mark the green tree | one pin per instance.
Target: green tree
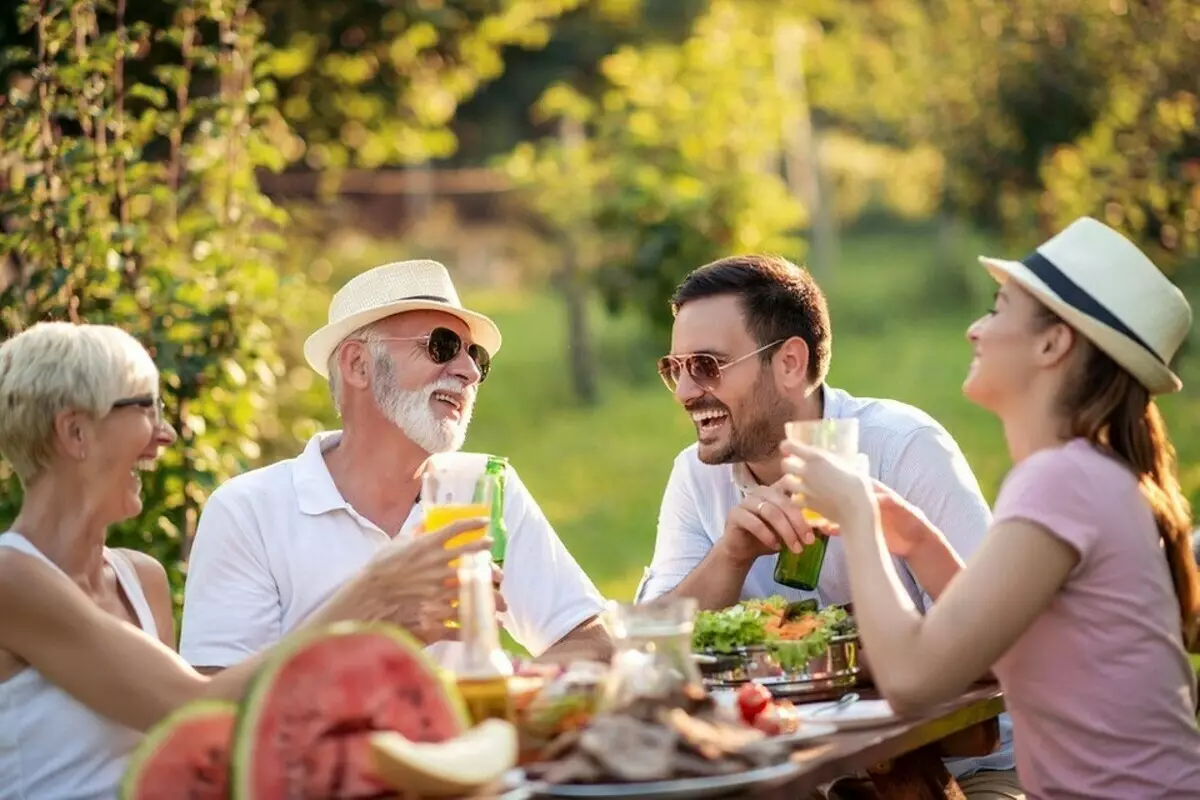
(133, 202)
(678, 165)
(1138, 166)
(370, 84)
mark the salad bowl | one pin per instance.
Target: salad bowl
(790, 648)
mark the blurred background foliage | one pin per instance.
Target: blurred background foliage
(206, 172)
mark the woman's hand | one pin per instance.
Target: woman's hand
(905, 527)
(830, 486)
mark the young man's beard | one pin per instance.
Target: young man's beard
(410, 410)
(756, 428)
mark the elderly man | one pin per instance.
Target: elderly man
(750, 350)
(404, 360)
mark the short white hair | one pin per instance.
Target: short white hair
(365, 334)
(60, 366)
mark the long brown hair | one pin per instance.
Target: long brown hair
(1106, 405)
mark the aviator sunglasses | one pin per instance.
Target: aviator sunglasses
(703, 368)
(443, 345)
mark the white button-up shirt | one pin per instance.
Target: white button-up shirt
(908, 451)
(275, 543)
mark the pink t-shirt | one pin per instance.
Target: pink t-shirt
(1100, 688)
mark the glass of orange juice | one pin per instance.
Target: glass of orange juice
(453, 489)
(836, 436)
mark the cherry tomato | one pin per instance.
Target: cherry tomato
(768, 721)
(753, 699)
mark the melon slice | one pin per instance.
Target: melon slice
(447, 769)
(184, 755)
(305, 726)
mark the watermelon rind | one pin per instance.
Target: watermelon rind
(159, 732)
(242, 755)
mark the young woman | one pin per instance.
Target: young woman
(86, 634)
(1085, 595)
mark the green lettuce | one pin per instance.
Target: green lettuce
(745, 625)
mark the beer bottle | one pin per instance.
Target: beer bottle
(484, 669)
(497, 470)
(802, 570)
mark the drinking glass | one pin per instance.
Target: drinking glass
(837, 436)
(455, 488)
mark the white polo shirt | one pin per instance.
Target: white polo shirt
(274, 543)
(909, 452)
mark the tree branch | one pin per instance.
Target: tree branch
(175, 159)
(129, 269)
(48, 212)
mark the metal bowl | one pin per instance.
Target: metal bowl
(837, 667)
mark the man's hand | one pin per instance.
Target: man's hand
(763, 523)
(589, 641)
(410, 583)
(435, 617)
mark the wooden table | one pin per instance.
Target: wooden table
(903, 760)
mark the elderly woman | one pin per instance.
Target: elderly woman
(1085, 593)
(86, 637)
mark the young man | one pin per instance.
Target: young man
(750, 351)
(404, 360)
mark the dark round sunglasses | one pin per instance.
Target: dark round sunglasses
(703, 368)
(443, 345)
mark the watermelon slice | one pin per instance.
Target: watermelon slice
(184, 755)
(305, 725)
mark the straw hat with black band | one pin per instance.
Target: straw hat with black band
(1104, 287)
(391, 289)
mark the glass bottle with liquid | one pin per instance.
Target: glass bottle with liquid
(484, 668)
(497, 471)
(802, 570)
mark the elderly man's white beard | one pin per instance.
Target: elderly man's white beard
(412, 411)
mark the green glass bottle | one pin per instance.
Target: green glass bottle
(497, 471)
(802, 570)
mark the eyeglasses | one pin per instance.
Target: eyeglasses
(443, 345)
(703, 368)
(151, 401)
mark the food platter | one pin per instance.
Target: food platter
(761, 778)
(694, 704)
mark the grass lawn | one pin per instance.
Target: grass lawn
(599, 472)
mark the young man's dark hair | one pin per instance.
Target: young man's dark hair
(779, 300)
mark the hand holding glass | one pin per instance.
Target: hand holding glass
(837, 436)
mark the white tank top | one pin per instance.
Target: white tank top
(52, 747)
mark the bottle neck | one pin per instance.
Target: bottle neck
(482, 654)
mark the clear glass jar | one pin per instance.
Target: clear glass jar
(652, 652)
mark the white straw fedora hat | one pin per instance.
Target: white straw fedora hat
(1102, 285)
(390, 289)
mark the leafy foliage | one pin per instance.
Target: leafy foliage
(1036, 120)
(369, 84)
(680, 164)
(1138, 165)
(134, 203)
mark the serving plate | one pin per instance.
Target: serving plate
(851, 716)
(761, 778)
